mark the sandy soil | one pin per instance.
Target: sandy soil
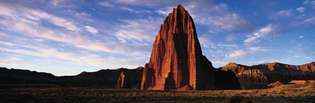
(294, 92)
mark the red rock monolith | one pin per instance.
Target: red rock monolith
(176, 58)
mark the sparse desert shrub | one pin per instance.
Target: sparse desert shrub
(236, 99)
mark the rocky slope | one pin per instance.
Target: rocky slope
(119, 78)
(176, 58)
(19, 76)
(259, 76)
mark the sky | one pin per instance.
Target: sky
(66, 37)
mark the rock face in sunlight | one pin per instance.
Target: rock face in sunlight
(176, 58)
(120, 80)
(259, 76)
(307, 67)
(247, 76)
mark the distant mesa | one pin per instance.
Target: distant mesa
(260, 76)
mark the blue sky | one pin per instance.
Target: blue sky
(66, 37)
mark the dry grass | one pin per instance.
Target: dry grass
(295, 92)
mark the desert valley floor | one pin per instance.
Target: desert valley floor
(293, 92)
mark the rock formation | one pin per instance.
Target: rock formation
(226, 80)
(20, 76)
(259, 76)
(120, 80)
(231, 76)
(310, 67)
(114, 78)
(176, 58)
(176, 63)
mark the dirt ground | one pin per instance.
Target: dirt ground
(294, 92)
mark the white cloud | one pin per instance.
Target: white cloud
(56, 2)
(40, 50)
(139, 30)
(228, 22)
(142, 2)
(255, 36)
(207, 43)
(37, 15)
(284, 13)
(6, 11)
(204, 12)
(310, 3)
(2, 34)
(301, 9)
(41, 15)
(106, 50)
(106, 4)
(245, 52)
(237, 53)
(217, 15)
(75, 40)
(27, 22)
(91, 29)
(114, 4)
(310, 20)
(164, 11)
(204, 41)
(52, 53)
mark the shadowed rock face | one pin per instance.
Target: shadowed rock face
(226, 80)
(19, 76)
(176, 51)
(119, 78)
(259, 76)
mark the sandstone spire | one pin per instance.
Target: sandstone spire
(176, 58)
(120, 80)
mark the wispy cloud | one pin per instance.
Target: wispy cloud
(139, 30)
(310, 20)
(301, 9)
(217, 15)
(204, 12)
(310, 3)
(257, 35)
(38, 15)
(29, 24)
(245, 52)
(285, 13)
(56, 2)
(106, 4)
(42, 50)
(67, 62)
(6, 11)
(147, 2)
(91, 29)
